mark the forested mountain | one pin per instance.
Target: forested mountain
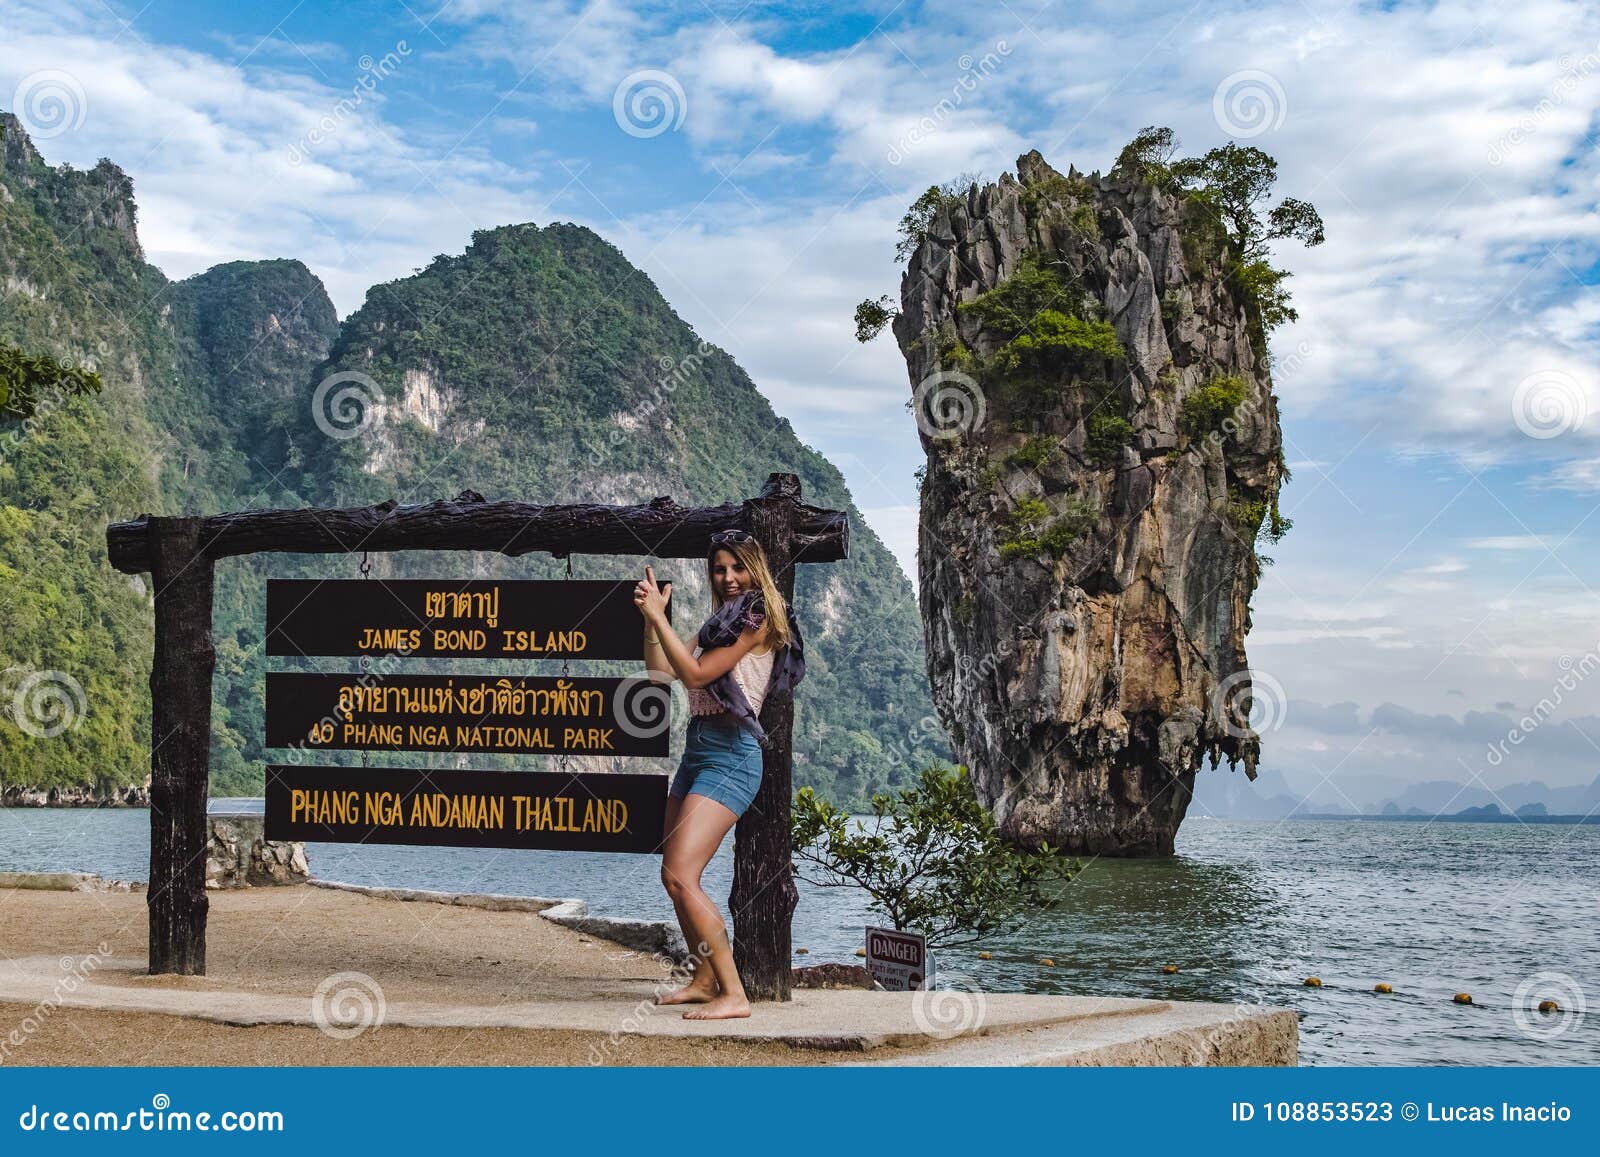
(539, 365)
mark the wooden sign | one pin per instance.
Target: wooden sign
(467, 809)
(455, 618)
(534, 714)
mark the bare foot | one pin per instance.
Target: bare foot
(724, 1007)
(695, 992)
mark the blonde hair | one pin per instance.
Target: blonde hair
(749, 552)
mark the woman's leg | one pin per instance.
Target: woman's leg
(702, 984)
(702, 823)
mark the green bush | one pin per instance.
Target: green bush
(872, 317)
(1258, 518)
(1107, 434)
(25, 378)
(1037, 532)
(1085, 221)
(1032, 454)
(930, 858)
(1054, 336)
(1010, 308)
(1205, 410)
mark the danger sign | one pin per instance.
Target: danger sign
(898, 960)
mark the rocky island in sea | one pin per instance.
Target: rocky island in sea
(1090, 375)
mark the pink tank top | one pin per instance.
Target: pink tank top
(753, 674)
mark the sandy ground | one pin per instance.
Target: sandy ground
(288, 940)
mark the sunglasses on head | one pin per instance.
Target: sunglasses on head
(730, 537)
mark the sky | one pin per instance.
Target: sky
(1434, 612)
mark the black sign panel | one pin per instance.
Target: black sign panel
(455, 618)
(536, 714)
(467, 809)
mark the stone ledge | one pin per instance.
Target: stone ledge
(653, 937)
(490, 901)
(67, 882)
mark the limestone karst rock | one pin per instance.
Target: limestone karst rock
(1102, 450)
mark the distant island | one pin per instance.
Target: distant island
(1272, 797)
(1471, 815)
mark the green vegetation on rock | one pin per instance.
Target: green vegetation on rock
(1035, 530)
(1209, 408)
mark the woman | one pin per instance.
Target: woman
(747, 650)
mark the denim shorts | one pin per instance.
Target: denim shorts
(721, 761)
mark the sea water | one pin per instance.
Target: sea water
(1245, 911)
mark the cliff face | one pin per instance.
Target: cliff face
(190, 371)
(539, 364)
(1103, 446)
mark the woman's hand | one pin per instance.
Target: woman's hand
(650, 598)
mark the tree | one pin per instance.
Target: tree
(25, 378)
(1147, 157)
(872, 316)
(1233, 180)
(930, 858)
(925, 210)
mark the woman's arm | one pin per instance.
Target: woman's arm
(709, 667)
(655, 655)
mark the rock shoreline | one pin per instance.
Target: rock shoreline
(74, 797)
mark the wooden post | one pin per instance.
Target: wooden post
(180, 745)
(764, 895)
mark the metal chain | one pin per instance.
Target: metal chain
(366, 660)
(564, 760)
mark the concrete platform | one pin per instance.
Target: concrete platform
(949, 1028)
(445, 967)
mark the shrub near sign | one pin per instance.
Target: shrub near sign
(898, 960)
